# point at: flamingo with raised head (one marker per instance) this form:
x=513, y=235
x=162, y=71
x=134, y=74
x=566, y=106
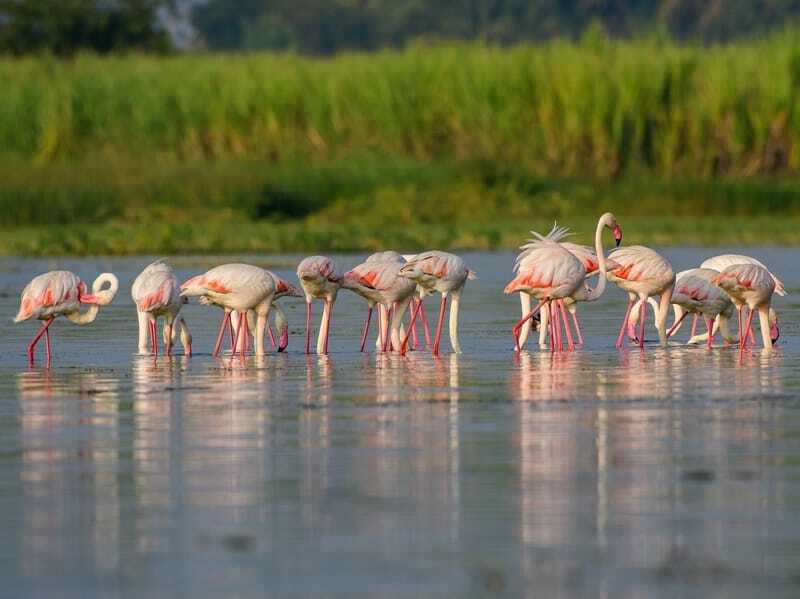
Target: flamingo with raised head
x=321, y=279
x=548, y=272
x=438, y=272
x=157, y=293
x=380, y=283
x=594, y=261
x=240, y=288
x=750, y=285
x=643, y=273
x=61, y=293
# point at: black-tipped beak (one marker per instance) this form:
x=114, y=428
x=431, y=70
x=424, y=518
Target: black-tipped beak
x=618, y=235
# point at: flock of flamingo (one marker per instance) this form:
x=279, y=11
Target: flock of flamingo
x=554, y=272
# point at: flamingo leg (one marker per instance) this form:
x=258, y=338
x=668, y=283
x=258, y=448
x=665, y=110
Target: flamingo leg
x=709, y=328
x=425, y=327
x=694, y=325
x=33, y=343
x=570, y=343
x=438, y=339
x=751, y=338
x=749, y=324
x=517, y=327
x=226, y=318
x=169, y=339
x=411, y=324
x=577, y=328
x=672, y=329
x=366, y=329
x=742, y=341
x=271, y=336
x=621, y=337
x=236, y=338
x=230, y=334
x=642, y=316
x=308, y=327
x=154, y=337
x=327, y=326
x=414, y=332
x=47, y=346
x=551, y=325
x=559, y=345
x=387, y=342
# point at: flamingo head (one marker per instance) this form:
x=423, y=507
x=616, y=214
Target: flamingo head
x=774, y=331
x=610, y=222
x=283, y=330
x=286, y=289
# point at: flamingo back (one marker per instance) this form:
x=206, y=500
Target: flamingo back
x=723, y=261
x=637, y=263
x=547, y=271
x=156, y=288
x=50, y=294
x=739, y=280
x=438, y=270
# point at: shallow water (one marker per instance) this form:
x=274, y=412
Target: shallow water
x=600, y=473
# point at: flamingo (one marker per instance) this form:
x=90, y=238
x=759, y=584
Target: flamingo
x=156, y=292
x=235, y=287
x=283, y=288
x=595, y=263
x=321, y=279
x=642, y=273
x=438, y=272
x=379, y=283
x=751, y=285
x=694, y=293
x=61, y=293
x=548, y=272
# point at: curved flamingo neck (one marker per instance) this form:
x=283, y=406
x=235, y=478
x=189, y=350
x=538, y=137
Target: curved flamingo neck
x=594, y=294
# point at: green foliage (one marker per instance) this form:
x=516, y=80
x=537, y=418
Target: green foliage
x=66, y=26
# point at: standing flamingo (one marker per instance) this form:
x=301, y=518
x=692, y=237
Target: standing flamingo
x=548, y=272
x=751, y=285
x=283, y=288
x=643, y=272
x=235, y=287
x=380, y=283
x=156, y=292
x=441, y=272
x=321, y=279
x=594, y=261
x=61, y=293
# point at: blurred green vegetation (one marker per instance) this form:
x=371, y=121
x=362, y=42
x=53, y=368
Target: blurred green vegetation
x=455, y=146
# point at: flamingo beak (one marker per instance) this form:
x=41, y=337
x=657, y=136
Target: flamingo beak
x=617, y=235
x=283, y=342
x=774, y=333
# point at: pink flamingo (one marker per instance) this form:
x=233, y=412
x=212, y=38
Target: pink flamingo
x=438, y=272
x=593, y=260
x=379, y=283
x=61, y=293
x=156, y=293
x=235, y=287
x=321, y=279
x=751, y=285
x=643, y=272
x=548, y=272
x=283, y=288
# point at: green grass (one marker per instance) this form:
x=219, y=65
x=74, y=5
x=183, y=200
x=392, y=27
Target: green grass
x=462, y=146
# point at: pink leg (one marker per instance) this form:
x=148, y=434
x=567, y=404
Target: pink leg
x=404, y=344
x=671, y=331
x=749, y=320
x=226, y=319
x=33, y=343
x=387, y=342
x=577, y=328
x=236, y=338
x=553, y=306
x=169, y=339
x=621, y=336
x=414, y=334
x=308, y=327
x=709, y=328
x=551, y=326
x=642, y=316
x=570, y=343
x=694, y=325
x=328, y=326
x=366, y=330
x=425, y=328
x=742, y=340
x=438, y=339
x=154, y=337
x=751, y=339
x=271, y=336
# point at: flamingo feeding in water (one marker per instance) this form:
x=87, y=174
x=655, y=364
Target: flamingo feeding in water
x=282, y=289
x=437, y=272
x=61, y=293
x=594, y=261
x=751, y=285
x=643, y=273
x=321, y=279
x=548, y=272
x=379, y=282
x=240, y=288
x=157, y=293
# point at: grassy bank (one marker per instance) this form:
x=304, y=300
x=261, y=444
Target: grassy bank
x=459, y=146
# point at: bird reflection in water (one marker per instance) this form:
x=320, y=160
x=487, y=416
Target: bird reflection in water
x=69, y=436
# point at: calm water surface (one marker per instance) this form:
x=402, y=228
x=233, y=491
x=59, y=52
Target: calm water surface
x=601, y=473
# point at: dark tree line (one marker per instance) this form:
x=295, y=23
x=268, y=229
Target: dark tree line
x=324, y=26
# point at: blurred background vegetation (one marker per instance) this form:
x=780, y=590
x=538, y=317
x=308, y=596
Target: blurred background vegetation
x=256, y=125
